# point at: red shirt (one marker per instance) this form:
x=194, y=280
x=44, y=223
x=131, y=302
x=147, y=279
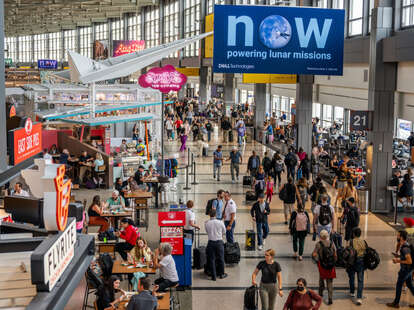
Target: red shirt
x=298, y=301
x=129, y=234
x=178, y=123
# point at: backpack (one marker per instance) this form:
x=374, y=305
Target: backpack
x=327, y=258
x=282, y=193
x=372, y=259
x=352, y=217
x=278, y=166
x=349, y=256
x=325, y=215
x=209, y=206
x=267, y=164
x=301, y=222
x=291, y=160
x=251, y=298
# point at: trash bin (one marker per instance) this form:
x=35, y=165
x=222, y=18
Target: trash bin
x=363, y=196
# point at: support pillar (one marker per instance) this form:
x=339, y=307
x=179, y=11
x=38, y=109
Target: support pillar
x=304, y=99
x=3, y=130
x=205, y=88
x=228, y=89
x=260, y=107
x=382, y=86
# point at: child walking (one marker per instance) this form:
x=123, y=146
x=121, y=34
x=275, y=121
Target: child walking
x=269, y=189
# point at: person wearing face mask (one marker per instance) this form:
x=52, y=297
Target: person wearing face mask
x=271, y=276
x=302, y=298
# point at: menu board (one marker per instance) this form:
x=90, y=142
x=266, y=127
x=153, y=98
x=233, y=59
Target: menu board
x=175, y=237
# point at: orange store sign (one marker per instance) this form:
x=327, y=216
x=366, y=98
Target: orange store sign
x=25, y=142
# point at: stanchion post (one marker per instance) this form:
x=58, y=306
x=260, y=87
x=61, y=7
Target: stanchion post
x=186, y=179
x=188, y=156
x=396, y=207
x=194, y=174
x=192, y=164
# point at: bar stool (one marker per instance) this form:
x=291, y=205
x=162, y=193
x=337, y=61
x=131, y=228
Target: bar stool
x=174, y=300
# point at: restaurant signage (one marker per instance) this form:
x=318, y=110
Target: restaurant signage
x=164, y=79
x=25, y=142
x=51, y=258
x=122, y=47
x=173, y=236
x=171, y=218
x=47, y=64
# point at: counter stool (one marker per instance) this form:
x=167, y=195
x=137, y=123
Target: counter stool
x=174, y=300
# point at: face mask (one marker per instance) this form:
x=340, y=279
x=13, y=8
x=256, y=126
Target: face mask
x=398, y=240
x=300, y=288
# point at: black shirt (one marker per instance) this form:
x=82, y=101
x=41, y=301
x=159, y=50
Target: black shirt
x=138, y=177
x=92, y=212
x=63, y=159
x=269, y=272
x=84, y=159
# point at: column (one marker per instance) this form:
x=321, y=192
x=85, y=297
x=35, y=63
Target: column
x=304, y=96
x=382, y=85
x=3, y=130
x=260, y=107
x=228, y=89
x=205, y=87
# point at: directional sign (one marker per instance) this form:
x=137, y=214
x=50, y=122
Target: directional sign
x=359, y=120
x=171, y=218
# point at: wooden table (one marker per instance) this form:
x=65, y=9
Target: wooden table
x=163, y=303
x=138, y=194
x=119, y=269
x=140, y=205
x=116, y=216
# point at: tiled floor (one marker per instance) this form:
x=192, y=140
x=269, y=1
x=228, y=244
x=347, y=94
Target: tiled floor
x=228, y=293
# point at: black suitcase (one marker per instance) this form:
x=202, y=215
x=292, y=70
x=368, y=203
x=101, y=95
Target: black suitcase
x=250, y=196
x=199, y=255
x=251, y=298
x=231, y=253
x=247, y=180
x=250, y=240
x=230, y=136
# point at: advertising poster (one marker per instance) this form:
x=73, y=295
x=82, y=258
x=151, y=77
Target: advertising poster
x=122, y=47
x=403, y=129
x=100, y=49
x=47, y=64
x=275, y=39
x=175, y=237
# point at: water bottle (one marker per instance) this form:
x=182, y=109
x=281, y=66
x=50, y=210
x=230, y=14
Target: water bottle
x=105, y=241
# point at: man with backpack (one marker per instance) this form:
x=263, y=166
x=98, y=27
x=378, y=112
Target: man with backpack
x=218, y=204
x=324, y=217
x=259, y=212
x=253, y=164
x=350, y=217
x=288, y=194
x=355, y=257
x=291, y=161
x=267, y=164
x=406, y=268
x=325, y=255
x=314, y=191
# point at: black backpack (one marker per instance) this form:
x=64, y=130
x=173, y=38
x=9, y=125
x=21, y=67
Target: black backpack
x=325, y=215
x=371, y=258
x=251, y=298
x=348, y=256
x=352, y=217
x=267, y=164
x=209, y=206
x=327, y=258
x=291, y=160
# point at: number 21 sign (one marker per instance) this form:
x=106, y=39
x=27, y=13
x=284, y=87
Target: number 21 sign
x=359, y=121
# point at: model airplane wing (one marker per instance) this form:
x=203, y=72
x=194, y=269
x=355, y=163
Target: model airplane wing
x=85, y=70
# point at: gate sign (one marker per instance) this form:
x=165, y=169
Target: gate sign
x=175, y=237
x=25, y=142
x=274, y=39
x=164, y=79
x=171, y=218
x=359, y=121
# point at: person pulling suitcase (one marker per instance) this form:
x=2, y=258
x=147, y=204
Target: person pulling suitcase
x=259, y=213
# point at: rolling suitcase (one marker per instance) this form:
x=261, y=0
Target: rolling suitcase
x=247, y=180
x=250, y=196
x=251, y=298
x=199, y=254
x=250, y=240
x=231, y=253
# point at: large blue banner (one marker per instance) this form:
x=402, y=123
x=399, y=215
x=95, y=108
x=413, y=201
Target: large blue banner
x=273, y=39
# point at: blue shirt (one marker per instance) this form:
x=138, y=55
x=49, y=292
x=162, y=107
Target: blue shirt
x=219, y=155
x=235, y=157
x=218, y=205
x=270, y=130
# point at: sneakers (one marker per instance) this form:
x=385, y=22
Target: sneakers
x=232, y=181
x=223, y=276
x=358, y=301
x=300, y=258
x=260, y=247
x=393, y=305
x=286, y=222
x=352, y=295
x=264, y=241
x=329, y=302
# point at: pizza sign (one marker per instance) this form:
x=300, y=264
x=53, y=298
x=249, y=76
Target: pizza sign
x=173, y=236
x=25, y=142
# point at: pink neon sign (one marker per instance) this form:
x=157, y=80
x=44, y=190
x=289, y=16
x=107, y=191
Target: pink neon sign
x=164, y=79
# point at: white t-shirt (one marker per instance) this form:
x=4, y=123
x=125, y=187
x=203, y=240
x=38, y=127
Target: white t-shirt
x=167, y=269
x=189, y=216
x=169, y=125
x=317, y=210
x=229, y=210
x=22, y=193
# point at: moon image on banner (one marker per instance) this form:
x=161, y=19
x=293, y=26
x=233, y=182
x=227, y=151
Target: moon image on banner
x=275, y=31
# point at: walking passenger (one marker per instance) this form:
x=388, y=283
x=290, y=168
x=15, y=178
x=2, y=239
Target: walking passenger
x=253, y=164
x=324, y=216
x=302, y=298
x=217, y=162
x=235, y=161
x=299, y=227
x=288, y=194
x=259, y=212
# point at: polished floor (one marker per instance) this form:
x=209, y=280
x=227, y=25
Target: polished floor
x=228, y=293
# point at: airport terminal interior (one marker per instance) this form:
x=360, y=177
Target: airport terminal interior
x=206, y=154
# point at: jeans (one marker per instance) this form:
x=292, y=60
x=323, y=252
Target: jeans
x=234, y=167
x=404, y=275
x=329, y=285
x=123, y=248
x=230, y=233
x=358, y=268
x=291, y=172
x=208, y=135
x=215, y=255
x=240, y=139
x=278, y=178
x=262, y=232
x=217, y=171
x=299, y=237
x=328, y=228
x=164, y=284
x=268, y=294
x=190, y=120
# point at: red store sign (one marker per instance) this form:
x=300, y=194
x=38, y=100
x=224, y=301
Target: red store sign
x=173, y=236
x=25, y=142
x=171, y=218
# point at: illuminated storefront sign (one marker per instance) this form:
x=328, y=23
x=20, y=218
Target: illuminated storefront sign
x=122, y=47
x=164, y=79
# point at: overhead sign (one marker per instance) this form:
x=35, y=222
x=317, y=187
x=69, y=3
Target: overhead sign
x=122, y=47
x=171, y=218
x=359, y=120
x=209, y=41
x=175, y=237
x=275, y=39
x=164, y=79
x=269, y=78
x=403, y=129
x=51, y=258
x=189, y=71
x=47, y=64
x=25, y=142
